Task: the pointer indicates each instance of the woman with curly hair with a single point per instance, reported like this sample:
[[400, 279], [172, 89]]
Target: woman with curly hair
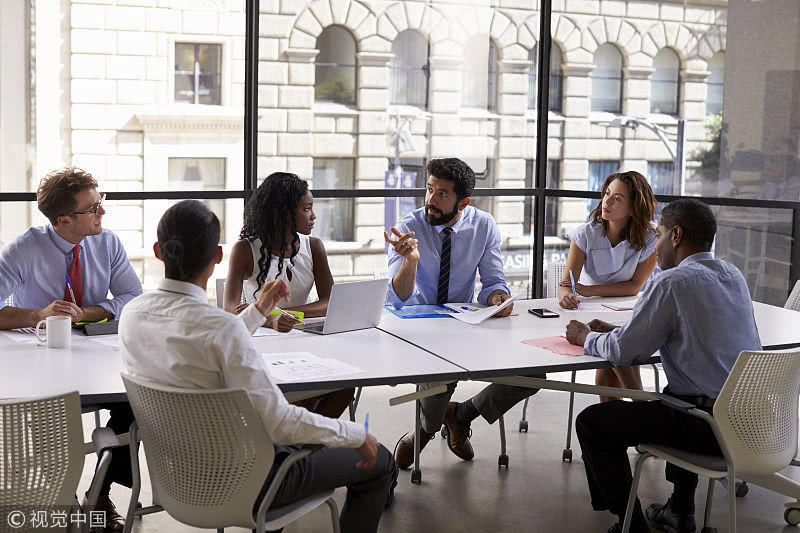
[[613, 254], [276, 243]]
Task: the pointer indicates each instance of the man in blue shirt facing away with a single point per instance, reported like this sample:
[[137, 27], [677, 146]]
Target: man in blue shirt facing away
[[422, 273], [679, 316], [34, 270]]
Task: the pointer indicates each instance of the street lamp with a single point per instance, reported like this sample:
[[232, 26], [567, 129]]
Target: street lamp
[[678, 154]]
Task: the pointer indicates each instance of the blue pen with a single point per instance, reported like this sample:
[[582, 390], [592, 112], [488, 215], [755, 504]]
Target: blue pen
[[572, 279], [69, 286], [366, 423]]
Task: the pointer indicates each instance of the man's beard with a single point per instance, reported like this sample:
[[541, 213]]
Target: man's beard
[[443, 218]]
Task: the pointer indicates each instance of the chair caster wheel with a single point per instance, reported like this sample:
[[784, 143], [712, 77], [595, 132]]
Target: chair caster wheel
[[792, 516], [445, 431], [416, 476], [502, 462], [741, 489], [523, 426], [566, 455]]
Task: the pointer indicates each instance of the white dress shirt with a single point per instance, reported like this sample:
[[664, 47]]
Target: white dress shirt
[[173, 336]]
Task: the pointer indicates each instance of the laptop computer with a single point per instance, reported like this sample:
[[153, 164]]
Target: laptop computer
[[354, 305]]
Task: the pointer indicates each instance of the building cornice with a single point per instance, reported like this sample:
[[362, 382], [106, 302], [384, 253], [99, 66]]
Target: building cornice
[[191, 119]]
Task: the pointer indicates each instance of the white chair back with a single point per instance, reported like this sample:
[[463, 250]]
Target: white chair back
[[555, 271], [757, 411], [42, 451], [793, 302], [207, 452]]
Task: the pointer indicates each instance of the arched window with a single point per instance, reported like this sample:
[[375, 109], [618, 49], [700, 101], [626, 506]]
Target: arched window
[[410, 69], [715, 83], [607, 79], [665, 83], [556, 83], [479, 87], [335, 70]]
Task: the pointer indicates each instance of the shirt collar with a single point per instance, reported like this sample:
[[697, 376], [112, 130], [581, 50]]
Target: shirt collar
[[458, 225], [61, 243], [182, 287], [699, 256]]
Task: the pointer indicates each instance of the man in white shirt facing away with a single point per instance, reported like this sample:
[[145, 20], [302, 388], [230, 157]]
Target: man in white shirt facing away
[[173, 336]]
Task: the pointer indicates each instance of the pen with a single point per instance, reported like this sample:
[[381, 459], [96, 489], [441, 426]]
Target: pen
[[69, 286], [366, 423], [572, 280], [285, 313]]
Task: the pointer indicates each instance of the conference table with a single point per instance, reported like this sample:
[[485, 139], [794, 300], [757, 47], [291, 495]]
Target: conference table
[[413, 351]]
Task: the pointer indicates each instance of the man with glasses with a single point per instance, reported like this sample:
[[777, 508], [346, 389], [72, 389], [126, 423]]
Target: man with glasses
[[34, 270]]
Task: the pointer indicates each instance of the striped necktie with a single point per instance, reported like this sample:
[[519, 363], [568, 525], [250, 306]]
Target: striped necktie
[[444, 268]]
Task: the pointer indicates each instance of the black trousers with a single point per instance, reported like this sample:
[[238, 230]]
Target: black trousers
[[607, 430], [120, 469]]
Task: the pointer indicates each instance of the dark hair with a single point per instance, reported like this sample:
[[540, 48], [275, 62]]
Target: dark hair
[[266, 215], [188, 236], [56, 193], [455, 170], [695, 219], [643, 208]]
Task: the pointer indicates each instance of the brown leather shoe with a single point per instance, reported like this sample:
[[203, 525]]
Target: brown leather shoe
[[404, 449], [114, 523], [458, 437]]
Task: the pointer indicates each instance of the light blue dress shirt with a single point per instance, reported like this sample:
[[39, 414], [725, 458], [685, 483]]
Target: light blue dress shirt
[[604, 263], [33, 268], [474, 248], [698, 315]]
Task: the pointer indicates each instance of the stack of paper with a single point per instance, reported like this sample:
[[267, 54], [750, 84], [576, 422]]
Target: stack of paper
[[559, 345], [476, 316]]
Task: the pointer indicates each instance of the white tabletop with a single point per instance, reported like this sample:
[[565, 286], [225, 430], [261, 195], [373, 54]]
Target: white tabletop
[[494, 347], [382, 358], [93, 369]]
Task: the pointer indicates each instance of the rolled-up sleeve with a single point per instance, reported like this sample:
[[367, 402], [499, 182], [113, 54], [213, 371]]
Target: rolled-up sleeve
[[124, 283], [649, 328], [490, 266], [13, 261]]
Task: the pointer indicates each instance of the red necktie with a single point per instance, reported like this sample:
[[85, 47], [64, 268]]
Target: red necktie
[[75, 277]]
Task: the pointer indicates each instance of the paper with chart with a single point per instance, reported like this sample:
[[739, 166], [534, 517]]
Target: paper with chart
[[477, 316], [269, 332], [305, 366]]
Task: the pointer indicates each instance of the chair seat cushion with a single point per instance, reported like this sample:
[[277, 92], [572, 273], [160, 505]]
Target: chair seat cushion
[[707, 465]]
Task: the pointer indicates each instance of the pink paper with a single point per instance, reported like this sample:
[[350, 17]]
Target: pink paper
[[559, 345]]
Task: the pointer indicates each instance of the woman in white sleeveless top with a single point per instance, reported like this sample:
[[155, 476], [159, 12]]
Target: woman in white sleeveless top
[[276, 244], [613, 254]]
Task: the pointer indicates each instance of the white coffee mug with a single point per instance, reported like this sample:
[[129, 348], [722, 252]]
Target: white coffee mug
[[58, 333]]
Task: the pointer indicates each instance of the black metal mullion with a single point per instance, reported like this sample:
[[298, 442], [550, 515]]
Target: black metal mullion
[[251, 99], [794, 255], [540, 176]]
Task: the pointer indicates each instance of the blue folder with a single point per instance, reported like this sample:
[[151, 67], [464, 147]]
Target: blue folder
[[418, 311]]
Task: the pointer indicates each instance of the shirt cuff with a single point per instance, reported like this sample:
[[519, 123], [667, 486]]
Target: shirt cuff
[[107, 305], [392, 296], [589, 344], [252, 318], [356, 434], [483, 296]]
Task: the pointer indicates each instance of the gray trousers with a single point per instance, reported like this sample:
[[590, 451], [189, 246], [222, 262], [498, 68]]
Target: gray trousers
[[492, 402], [329, 468]]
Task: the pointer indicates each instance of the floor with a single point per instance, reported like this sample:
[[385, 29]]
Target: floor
[[538, 493]]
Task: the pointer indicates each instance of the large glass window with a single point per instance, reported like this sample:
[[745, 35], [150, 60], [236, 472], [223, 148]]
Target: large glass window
[[551, 208], [665, 83], [556, 81], [335, 73], [607, 79], [661, 175], [334, 215], [715, 83], [410, 69], [480, 74], [198, 73], [200, 174]]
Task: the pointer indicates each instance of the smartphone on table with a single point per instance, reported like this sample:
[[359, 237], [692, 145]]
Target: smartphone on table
[[541, 312]]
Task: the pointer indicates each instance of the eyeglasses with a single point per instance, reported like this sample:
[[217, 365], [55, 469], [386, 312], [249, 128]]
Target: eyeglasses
[[93, 209]]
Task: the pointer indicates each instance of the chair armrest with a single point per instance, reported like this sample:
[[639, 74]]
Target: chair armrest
[[281, 474], [675, 403], [105, 439]]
